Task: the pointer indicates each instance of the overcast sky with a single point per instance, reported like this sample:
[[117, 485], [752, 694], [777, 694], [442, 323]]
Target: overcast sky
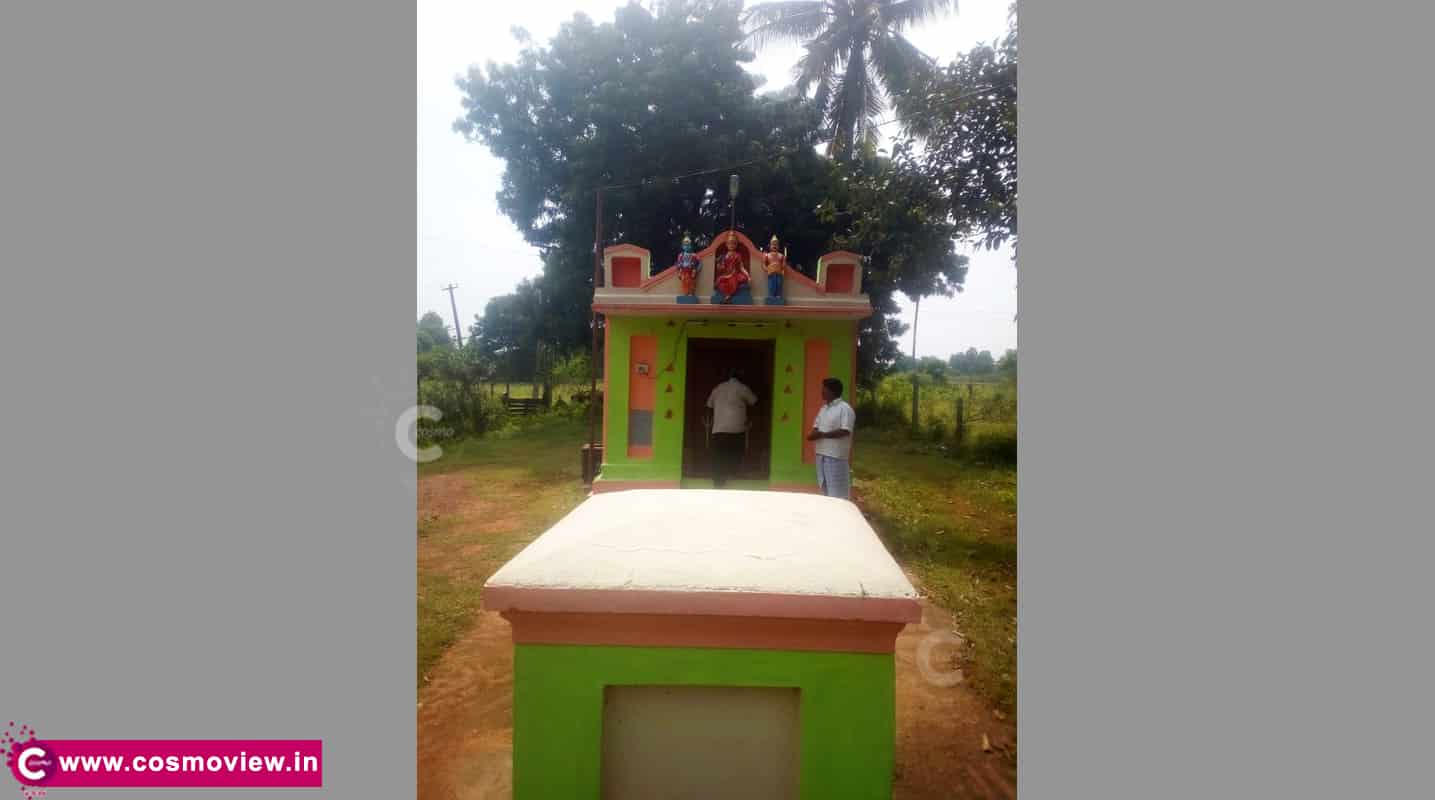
[[464, 239]]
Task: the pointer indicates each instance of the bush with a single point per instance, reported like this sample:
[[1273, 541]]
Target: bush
[[996, 445], [463, 416]]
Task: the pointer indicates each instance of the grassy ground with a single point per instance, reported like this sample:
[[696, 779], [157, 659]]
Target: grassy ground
[[525, 390], [951, 522], [480, 503]]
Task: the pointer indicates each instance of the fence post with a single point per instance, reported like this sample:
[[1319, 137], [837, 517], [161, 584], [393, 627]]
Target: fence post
[[961, 421]]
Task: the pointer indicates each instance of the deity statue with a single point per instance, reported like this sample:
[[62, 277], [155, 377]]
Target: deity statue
[[688, 265], [731, 273], [775, 265]]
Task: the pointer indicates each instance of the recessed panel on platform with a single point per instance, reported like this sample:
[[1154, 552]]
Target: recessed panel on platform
[[700, 743]]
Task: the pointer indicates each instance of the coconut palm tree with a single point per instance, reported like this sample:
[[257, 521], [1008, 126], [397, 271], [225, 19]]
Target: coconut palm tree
[[856, 56]]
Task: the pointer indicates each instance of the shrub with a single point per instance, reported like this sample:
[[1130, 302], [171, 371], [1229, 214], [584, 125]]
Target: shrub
[[994, 445]]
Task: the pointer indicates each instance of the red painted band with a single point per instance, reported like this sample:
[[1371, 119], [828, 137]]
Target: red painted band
[[716, 604], [745, 633]]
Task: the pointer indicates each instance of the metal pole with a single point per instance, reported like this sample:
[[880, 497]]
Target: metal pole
[[593, 322], [732, 187]]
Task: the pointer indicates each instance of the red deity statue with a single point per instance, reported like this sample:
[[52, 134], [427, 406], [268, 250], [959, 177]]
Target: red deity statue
[[731, 274]]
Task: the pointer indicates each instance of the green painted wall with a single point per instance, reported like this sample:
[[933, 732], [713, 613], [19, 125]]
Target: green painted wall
[[666, 461], [848, 712]]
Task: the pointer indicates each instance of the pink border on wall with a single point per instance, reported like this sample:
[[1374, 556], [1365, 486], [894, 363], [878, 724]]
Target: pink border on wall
[[707, 309], [716, 604], [655, 630]]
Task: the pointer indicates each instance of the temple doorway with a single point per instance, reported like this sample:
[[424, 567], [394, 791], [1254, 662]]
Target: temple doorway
[[708, 362]]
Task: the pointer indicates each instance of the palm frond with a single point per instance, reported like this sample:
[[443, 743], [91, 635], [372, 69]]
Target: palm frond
[[795, 20], [872, 105], [823, 98], [818, 63], [900, 65], [906, 13]]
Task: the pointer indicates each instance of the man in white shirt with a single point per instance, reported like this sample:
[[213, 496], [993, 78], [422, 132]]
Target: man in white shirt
[[728, 403], [832, 430]]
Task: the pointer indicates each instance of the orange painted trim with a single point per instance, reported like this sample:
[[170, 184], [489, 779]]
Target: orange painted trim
[[710, 310], [851, 390], [640, 451], [805, 281], [607, 370], [719, 240], [716, 604], [659, 278], [816, 361], [619, 486], [623, 248], [749, 633]]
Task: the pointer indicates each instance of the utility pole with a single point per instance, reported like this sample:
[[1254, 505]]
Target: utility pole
[[590, 454], [916, 314], [457, 329]]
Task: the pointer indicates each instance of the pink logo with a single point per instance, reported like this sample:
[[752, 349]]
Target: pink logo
[[159, 763], [30, 760]]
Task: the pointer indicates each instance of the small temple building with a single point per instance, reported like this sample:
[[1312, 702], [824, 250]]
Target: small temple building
[[671, 337]]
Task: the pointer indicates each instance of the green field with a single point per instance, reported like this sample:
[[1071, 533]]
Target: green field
[[947, 516]]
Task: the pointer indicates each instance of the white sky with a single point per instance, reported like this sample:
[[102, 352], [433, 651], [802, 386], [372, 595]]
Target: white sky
[[464, 239]]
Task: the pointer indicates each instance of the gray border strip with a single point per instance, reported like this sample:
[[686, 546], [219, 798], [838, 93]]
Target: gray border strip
[[207, 227]]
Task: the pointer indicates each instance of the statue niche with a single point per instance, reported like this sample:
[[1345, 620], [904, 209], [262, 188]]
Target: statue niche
[[732, 273]]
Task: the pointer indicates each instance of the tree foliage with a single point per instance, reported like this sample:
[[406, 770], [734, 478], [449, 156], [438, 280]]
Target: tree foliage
[[432, 332], [663, 93], [855, 58], [894, 214], [1007, 364], [969, 146], [972, 362], [511, 327]]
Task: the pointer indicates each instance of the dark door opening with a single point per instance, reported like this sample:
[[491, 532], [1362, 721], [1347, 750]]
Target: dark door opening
[[708, 361]]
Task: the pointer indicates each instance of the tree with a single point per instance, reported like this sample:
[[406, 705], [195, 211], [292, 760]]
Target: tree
[[969, 150], [664, 93], [933, 366], [856, 57], [1007, 364], [973, 363], [510, 329], [647, 94], [895, 215], [432, 332]]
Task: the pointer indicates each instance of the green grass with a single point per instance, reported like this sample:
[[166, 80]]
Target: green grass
[[520, 482], [953, 523], [985, 402], [563, 392]]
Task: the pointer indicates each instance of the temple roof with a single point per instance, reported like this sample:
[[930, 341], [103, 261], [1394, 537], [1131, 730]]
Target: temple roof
[[630, 288]]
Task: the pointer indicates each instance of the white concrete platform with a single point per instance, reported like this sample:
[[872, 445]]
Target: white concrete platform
[[748, 553]]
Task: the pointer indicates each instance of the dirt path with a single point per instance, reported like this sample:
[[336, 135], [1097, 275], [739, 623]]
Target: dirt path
[[465, 715], [465, 723], [465, 720], [939, 729]]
